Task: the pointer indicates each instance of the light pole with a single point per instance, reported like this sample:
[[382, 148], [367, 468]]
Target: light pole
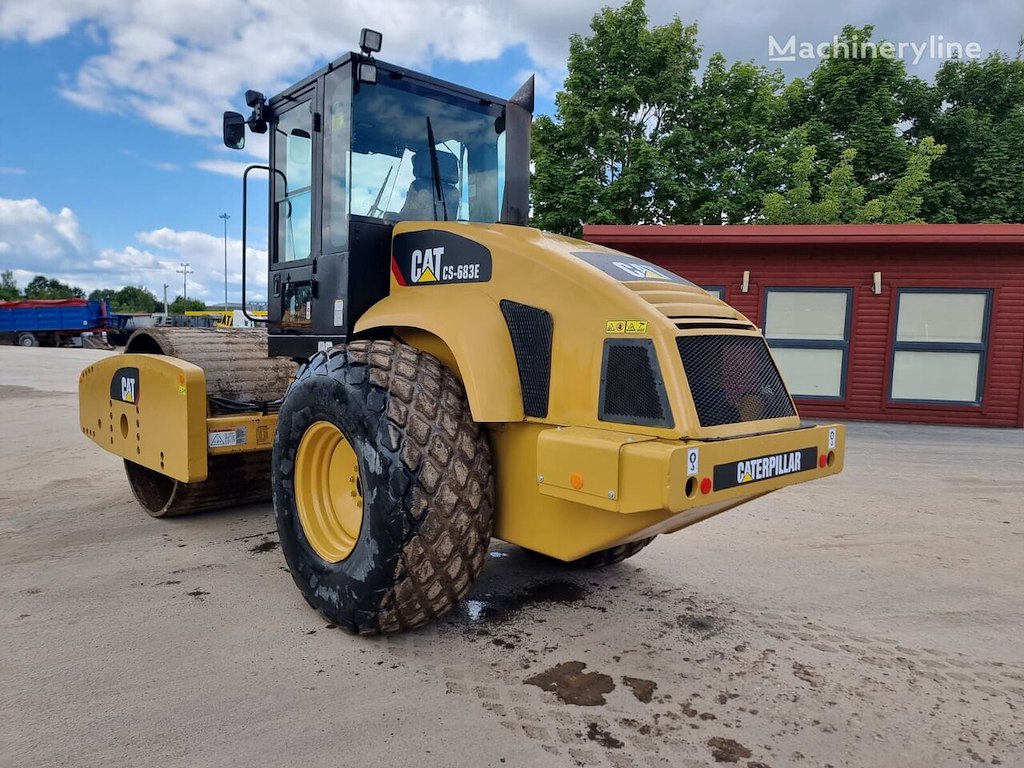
[[226, 217], [165, 298], [184, 272]]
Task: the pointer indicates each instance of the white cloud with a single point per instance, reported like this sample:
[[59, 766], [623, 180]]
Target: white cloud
[[29, 230], [37, 241], [12, 171], [225, 167], [162, 65], [162, 165], [204, 253], [180, 64], [45, 19]]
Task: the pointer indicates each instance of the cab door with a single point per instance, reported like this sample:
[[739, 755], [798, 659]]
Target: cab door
[[294, 213]]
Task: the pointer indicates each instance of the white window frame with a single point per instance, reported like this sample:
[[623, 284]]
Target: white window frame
[[979, 348], [718, 291], [816, 344]]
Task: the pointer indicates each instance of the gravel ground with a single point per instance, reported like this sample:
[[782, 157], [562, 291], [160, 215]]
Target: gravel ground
[[871, 619]]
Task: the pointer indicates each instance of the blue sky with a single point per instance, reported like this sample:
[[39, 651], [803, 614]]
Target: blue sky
[[111, 166]]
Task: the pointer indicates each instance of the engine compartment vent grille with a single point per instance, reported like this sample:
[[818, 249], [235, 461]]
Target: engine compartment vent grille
[[733, 379], [632, 388], [689, 307]]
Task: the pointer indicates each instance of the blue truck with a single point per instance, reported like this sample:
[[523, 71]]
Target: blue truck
[[52, 322]]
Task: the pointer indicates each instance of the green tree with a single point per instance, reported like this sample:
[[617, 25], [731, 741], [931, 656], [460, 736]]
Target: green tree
[[8, 286], [976, 108], [42, 287], [136, 299], [737, 120], [855, 99], [103, 294], [842, 200], [128, 299], [180, 306], [617, 151]]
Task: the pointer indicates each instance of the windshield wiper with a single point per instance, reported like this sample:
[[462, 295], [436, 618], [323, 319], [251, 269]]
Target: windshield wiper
[[435, 173], [380, 194]]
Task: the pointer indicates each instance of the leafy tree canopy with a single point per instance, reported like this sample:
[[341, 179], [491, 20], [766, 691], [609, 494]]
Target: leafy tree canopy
[[637, 138], [976, 109], [135, 299], [8, 286], [841, 200], [180, 306], [618, 150], [42, 287]]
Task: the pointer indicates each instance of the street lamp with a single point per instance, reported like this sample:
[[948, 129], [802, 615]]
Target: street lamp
[[226, 217]]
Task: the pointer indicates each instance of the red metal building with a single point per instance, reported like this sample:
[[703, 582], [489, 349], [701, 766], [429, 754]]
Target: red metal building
[[912, 323]]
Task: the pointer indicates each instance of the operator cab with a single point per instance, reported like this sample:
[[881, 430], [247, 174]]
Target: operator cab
[[356, 148]]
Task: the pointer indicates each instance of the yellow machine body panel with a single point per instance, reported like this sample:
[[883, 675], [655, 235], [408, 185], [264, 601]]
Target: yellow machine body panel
[[149, 409], [587, 304], [153, 410], [634, 490], [570, 478], [568, 481]]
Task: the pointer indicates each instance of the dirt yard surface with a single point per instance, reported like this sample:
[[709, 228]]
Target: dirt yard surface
[[872, 619]]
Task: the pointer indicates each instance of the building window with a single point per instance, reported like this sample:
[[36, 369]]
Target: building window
[[940, 345], [715, 290], [809, 333]]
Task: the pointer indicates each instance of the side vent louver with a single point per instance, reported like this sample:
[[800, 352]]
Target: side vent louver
[[532, 331], [632, 389]]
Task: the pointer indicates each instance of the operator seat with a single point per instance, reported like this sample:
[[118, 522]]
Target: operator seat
[[419, 202]]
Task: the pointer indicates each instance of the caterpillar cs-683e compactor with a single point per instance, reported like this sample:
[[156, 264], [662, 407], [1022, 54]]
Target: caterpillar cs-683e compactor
[[460, 375]]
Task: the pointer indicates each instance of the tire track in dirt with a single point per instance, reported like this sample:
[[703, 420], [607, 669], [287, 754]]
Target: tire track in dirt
[[727, 683]]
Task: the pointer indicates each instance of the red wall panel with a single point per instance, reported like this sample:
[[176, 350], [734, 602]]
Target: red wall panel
[[998, 266]]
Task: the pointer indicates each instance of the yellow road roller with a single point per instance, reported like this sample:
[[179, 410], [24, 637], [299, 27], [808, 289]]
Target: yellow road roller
[[434, 373]]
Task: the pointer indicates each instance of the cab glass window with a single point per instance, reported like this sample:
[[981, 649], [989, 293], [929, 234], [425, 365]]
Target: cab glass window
[[423, 154], [337, 124], [293, 182]]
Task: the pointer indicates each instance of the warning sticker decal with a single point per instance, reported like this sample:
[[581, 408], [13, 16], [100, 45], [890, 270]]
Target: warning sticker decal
[[223, 438], [626, 326]]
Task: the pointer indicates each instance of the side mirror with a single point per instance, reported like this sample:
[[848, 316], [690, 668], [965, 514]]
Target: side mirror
[[234, 130]]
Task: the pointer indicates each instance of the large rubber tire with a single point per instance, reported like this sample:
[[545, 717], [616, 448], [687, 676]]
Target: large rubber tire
[[27, 340], [425, 474], [610, 556]]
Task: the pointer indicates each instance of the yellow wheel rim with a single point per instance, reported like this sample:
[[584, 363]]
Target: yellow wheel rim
[[328, 493]]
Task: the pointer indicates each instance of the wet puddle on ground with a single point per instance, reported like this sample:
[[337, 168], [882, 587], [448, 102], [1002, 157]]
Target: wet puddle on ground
[[496, 608]]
